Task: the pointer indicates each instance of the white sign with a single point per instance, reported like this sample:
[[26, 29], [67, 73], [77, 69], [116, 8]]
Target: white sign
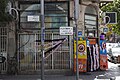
[[66, 30], [33, 18]]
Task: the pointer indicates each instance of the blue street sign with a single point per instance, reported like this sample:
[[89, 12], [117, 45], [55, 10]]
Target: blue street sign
[[105, 30], [79, 33]]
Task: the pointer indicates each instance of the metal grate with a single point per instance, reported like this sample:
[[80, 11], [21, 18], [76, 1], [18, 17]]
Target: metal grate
[[30, 53], [3, 47]]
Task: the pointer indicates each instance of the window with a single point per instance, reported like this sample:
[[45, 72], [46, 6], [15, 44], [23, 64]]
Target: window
[[56, 14], [90, 25]]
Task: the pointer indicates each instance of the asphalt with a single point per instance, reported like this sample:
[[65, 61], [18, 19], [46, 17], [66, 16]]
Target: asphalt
[[113, 72]]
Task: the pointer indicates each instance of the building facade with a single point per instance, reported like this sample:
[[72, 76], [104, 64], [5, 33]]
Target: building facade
[[58, 48]]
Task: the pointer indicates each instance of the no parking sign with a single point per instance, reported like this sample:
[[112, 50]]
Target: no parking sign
[[81, 48]]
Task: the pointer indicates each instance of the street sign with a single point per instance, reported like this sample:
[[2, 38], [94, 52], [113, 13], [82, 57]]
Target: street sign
[[105, 30], [33, 18], [79, 33], [66, 30], [111, 17]]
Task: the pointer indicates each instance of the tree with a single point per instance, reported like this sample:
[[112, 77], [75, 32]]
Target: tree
[[4, 16], [114, 7]]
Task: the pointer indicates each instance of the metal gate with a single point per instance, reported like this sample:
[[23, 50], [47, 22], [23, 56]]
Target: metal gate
[[29, 53], [3, 46]]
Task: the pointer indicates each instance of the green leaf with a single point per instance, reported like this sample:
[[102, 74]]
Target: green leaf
[[4, 17], [114, 7]]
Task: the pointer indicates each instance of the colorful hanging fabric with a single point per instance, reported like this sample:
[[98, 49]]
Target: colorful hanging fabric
[[91, 67], [94, 58], [97, 55]]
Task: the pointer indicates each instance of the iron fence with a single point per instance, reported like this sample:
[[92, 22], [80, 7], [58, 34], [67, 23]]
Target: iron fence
[[29, 52]]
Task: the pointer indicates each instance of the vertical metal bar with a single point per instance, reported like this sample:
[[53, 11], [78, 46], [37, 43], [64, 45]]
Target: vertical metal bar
[[77, 68], [114, 38], [0, 45], [7, 47], [70, 53], [42, 38], [0, 40], [35, 50], [76, 32], [18, 52], [52, 54]]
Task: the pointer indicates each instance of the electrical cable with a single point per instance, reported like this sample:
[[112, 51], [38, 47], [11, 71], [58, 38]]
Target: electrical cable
[[25, 43]]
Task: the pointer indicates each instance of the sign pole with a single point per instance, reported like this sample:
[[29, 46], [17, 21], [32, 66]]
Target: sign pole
[[42, 38], [76, 32]]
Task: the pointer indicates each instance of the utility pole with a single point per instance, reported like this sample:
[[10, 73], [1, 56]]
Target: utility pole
[[76, 32], [42, 38]]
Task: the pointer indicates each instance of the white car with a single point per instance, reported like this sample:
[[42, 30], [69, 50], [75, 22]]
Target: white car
[[116, 51]]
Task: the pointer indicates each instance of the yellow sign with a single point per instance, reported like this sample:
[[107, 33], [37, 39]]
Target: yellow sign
[[82, 49]]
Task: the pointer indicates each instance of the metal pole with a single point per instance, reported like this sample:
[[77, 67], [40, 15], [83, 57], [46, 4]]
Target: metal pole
[[42, 38], [77, 66], [114, 37], [76, 32]]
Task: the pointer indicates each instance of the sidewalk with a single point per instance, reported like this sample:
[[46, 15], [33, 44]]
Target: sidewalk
[[113, 71], [84, 76]]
